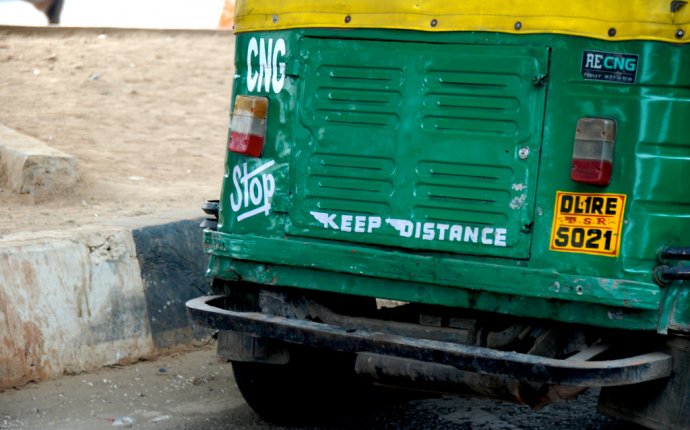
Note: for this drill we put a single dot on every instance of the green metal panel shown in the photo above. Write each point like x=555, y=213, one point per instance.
x=394, y=124
x=301, y=276
x=419, y=143
x=435, y=271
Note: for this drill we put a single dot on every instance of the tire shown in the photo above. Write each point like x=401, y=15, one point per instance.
x=313, y=386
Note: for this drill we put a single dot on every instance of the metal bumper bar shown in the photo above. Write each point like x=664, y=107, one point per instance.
x=207, y=311
x=666, y=273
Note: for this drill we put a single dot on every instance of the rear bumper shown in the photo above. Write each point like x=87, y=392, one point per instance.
x=434, y=279
x=209, y=312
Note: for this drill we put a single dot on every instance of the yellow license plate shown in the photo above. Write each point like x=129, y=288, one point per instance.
x=588, y=223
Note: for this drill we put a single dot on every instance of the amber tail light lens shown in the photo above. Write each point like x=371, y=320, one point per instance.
x=248, y=125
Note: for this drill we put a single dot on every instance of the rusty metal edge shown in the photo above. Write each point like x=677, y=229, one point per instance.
x=62, y=30
x=630, y=370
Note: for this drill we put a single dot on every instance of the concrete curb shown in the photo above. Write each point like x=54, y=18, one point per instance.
x=76, y=300
x=172, y=264
x=32, y=167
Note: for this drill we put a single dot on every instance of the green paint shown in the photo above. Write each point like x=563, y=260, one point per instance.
x=431, y=131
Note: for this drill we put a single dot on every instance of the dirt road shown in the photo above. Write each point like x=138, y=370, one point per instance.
x=144, y=112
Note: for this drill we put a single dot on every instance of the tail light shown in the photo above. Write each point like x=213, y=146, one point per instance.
x=248, y=125
x=593, y=151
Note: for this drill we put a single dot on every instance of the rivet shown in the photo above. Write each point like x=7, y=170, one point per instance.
x=518, y=26
x=434, y=23
x=275, y=18
x=680, y=34
x=348, y=19
x=612, y=32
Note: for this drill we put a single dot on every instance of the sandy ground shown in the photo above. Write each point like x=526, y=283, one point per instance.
x=144, y=112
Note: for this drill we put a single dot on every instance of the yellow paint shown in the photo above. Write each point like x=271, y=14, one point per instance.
x=587, y=223
x=631, y=19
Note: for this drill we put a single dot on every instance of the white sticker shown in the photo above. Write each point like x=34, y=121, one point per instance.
x=271, y=73
x=348, y=223
x=253, y=191
x=418, y=230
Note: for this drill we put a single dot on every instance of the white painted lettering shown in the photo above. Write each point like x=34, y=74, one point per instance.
x=236, y=177
x=456, y=233
x=269, y=188
x=413, y=230
x=500, y=239
x=374, y=223
x=271, y=74
x=264, y=64
x=360, y=223
x=486, y=240
x=471, y=234
x=442, y=228
x=255, y=191
x=429, y=232
x=328, y=220
x=346, y=223
x=278, y=50
x=252, y=51
x=252, y=187
x=245, y=177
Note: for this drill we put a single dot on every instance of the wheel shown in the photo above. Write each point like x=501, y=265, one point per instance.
x=313, y=386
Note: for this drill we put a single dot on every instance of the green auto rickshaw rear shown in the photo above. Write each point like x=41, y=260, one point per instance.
x=468, y=197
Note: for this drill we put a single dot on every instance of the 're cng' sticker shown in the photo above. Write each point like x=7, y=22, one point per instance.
x=609, y=66
x=587, y=223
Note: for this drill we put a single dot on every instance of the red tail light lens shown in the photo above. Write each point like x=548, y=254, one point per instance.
x=593, y=151
x=248, y=125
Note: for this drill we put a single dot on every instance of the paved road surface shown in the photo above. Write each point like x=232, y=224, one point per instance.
x=194, y=390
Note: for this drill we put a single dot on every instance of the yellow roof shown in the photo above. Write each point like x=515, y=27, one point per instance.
x=600, y=19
